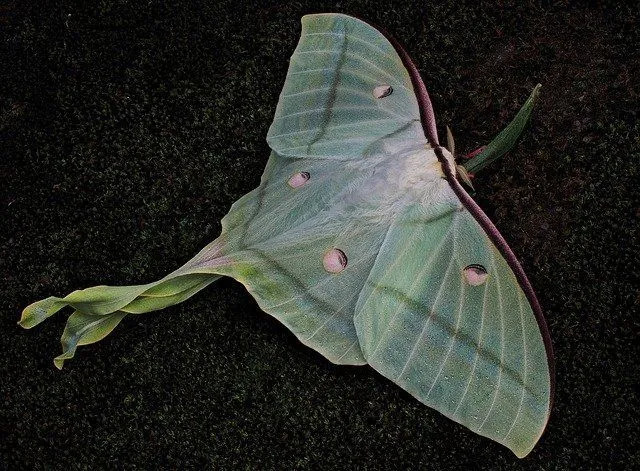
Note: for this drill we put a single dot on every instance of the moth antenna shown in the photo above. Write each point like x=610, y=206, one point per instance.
x=465, y=176
x=450, y=142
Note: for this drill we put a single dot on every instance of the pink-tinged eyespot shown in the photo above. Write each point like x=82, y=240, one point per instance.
x=475, y=274
x=335, y=261
x=299, y=179
x=382, y=91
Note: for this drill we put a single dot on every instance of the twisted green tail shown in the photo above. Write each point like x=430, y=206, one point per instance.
x=99, y=309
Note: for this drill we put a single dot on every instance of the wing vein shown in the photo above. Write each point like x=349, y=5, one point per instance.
x=355, y=342
x=365, y=257
x=397, y=311
x=339, y=126
x=351, y=36
x=339, y=108
x=500, y=367
x=455, y=329
x=373, y=65
x=475, y=357
x=524, y=349
x=433, y=305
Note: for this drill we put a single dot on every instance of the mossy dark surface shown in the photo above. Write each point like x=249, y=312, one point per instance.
x=127, y=129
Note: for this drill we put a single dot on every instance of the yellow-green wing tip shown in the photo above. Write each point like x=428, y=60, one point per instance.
x=26, y=318
x=84, y=329
x=522, y=451
x=522, y=448
x=59, y=360
x=32, y=315
x=523, y=440
x=37, y=312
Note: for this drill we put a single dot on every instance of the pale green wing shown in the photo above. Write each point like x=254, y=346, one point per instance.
x=464, y=343
x=331, y=127
x=335, y=102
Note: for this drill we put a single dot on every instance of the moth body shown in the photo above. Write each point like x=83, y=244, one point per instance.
x=387, y=185
x=361, y=241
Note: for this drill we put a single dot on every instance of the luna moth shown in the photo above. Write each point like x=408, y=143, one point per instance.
x=362, y=241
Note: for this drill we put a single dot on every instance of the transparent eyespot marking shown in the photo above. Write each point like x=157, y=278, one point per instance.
x=475, y=274
x=382, y=91
x=298, y=179
x=334, y=261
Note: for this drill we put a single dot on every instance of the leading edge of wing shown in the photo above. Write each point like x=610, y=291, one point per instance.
x=428, y=124
x=501, y=244
x=427, y=116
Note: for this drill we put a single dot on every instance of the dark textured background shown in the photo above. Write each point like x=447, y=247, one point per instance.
x=128, y=129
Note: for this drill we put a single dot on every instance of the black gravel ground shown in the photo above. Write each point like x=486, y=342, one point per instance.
x=127, y=129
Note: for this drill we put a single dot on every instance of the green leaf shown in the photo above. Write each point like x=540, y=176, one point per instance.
x=507, y=138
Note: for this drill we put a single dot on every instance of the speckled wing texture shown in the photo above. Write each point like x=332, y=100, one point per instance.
x=329, y=125
x=327, y=107
x=474, y=353
x=357, y=242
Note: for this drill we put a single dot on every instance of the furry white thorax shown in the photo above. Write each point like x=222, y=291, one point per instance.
x=388, y=184
x=451, y=162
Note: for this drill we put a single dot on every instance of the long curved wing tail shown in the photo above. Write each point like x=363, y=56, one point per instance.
x=99, y=309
